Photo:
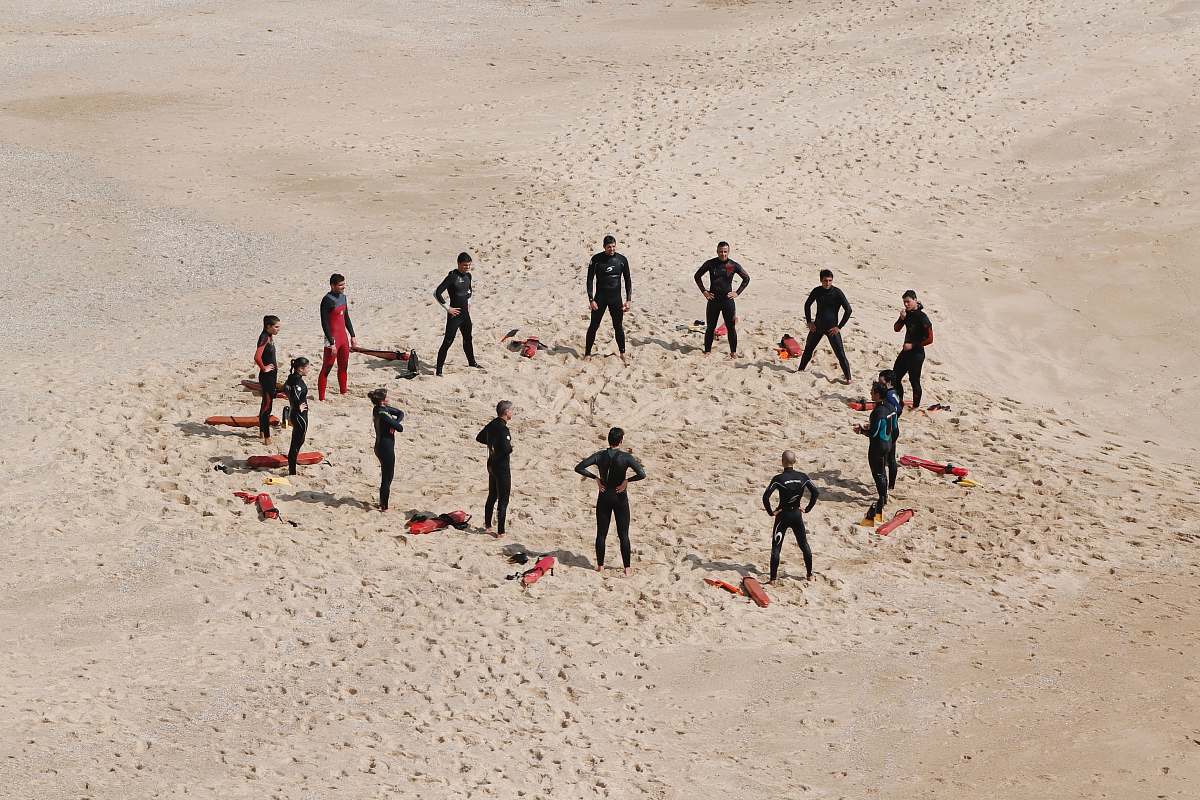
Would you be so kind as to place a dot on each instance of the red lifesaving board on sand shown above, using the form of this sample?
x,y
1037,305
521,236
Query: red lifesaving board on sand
x,y
386,355
238,422
755,591
280,460
256,387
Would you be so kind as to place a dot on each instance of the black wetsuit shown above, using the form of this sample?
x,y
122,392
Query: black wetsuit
x,y
386,421
264,356
297,395
829,302
790,484
918,331
499,444
720,284
604,277
895,399
458,284
612,465
880,429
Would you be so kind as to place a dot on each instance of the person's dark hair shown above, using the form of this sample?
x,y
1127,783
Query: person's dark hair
x,y
615,436
878,389
722,244
909,294
269,320
826,273
464,258
336,277
502,406
377,396
609,240
887,376
297,363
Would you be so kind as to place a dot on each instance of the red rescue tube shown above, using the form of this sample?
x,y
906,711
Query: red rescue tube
x,y
532,576
901,517
933,466
529,347
729,587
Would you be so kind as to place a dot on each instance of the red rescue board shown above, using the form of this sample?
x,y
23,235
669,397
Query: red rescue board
x,y
544,564
280,460
755,592
256,387
238,422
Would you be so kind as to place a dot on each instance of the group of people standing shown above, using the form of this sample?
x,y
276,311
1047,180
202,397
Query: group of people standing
x,y
609,273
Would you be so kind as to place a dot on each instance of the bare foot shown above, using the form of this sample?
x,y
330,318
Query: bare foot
x,y
497,535
624,360
733,355
627,572
599,568
382,510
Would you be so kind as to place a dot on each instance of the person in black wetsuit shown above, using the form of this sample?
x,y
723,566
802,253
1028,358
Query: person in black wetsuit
x,y
268,374
612,464
894,398
879,430
918,334
605,273
830,301
790,484
458,313
386,421
297,396
499,444
721,295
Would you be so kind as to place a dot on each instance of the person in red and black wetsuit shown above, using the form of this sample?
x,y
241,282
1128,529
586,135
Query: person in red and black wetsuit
x,y
918,334
721,295
339,334
268,373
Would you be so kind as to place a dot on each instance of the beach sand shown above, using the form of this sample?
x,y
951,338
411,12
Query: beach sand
x,y
170,172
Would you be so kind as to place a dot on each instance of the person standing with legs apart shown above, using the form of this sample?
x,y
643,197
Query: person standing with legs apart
x,y
339,334
830,301
297,396
918,334
605,274
613,500
790,484
268,374
386,421
721,295
458,313
499,444
880,429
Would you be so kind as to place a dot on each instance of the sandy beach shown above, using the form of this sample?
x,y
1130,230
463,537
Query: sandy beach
x,y
172,171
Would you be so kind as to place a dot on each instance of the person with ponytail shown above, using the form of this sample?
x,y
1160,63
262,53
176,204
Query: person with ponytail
x,y
918,334
297,395
386,421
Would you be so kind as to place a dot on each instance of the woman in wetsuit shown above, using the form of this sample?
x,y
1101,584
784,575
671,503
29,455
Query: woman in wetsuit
x,y
880,430
386,421
918,334
297,395
264,359
895,398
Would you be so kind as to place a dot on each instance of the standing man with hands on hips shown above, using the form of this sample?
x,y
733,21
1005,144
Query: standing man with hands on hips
x,y
458,313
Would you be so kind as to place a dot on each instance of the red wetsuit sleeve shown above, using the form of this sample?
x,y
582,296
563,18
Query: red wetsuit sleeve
x,y
258,357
